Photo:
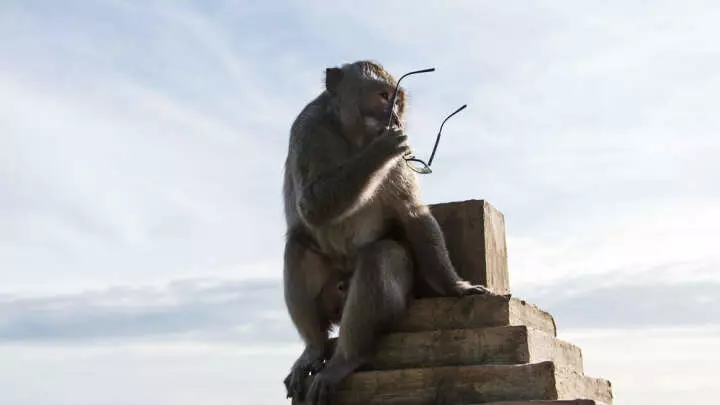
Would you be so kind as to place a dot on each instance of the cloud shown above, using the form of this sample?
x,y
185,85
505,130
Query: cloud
x,y
679,237
658,366
595,303
123,374
119,173
199,310
252,311
652,365
144,143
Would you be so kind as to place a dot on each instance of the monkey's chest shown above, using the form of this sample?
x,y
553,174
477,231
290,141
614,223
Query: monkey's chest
x,y
345,238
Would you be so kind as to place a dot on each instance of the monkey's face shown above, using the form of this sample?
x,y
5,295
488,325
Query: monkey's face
x,y
363,92
374,107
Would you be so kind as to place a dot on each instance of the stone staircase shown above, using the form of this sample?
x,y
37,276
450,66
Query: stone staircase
x,y
476,349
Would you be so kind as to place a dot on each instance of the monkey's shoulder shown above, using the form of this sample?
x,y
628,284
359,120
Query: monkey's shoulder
x,y
317,114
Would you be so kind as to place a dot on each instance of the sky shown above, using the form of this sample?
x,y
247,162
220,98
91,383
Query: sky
x,y
141,155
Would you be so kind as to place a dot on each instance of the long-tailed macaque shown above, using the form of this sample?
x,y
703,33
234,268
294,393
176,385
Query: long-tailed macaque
x,y
353,206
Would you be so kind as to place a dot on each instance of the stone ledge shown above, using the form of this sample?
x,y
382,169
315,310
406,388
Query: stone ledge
x,y
544,402
456,347
475,311
468,384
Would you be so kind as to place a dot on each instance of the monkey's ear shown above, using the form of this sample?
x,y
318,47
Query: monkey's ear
x,y
333,76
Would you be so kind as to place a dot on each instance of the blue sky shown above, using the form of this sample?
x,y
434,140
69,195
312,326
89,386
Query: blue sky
x,y
141,153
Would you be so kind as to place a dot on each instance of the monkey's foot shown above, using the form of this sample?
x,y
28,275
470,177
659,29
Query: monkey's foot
x,y
307,364
472,289
294,382
325,382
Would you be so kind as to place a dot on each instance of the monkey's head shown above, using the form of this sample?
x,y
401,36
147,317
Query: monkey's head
x,y
362,93
332,298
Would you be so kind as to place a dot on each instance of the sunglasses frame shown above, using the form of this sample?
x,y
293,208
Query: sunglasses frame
x,y
415,164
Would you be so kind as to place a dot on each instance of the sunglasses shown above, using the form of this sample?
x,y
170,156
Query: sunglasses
x,y
417,165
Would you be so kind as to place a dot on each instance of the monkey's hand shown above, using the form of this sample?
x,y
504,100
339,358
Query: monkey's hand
x,y
390,145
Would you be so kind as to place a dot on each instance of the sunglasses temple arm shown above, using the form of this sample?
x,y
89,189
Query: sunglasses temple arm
x,y
397,89
437,139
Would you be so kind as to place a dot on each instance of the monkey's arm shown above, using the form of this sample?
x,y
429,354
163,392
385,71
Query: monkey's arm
x,y
331,185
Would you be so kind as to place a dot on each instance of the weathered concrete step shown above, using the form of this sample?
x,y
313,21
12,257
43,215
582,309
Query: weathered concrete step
x,y
469,384
544,402
475,311
491,345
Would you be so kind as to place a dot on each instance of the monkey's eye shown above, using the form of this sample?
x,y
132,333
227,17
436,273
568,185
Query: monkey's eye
x,y
385,95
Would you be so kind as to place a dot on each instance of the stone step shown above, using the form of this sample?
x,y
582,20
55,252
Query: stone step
x,y
475,311
468,384
544,402
456,347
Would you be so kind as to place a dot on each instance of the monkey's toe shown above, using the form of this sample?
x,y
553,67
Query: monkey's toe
x,y
320,390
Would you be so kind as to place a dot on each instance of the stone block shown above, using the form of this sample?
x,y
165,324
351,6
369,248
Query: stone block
x,y
544,402
469,384
474,311
474,232
456,347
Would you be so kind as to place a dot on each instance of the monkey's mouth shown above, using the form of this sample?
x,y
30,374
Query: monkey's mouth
x,y
377,126
372,124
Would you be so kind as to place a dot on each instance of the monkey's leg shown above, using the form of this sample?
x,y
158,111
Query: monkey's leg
x,y
433,261
378,297
305,273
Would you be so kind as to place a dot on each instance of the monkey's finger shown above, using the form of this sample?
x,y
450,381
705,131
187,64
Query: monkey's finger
x,y
393,131
401,141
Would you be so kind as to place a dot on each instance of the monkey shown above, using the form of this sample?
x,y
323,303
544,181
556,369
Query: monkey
x,y
332,297
352,205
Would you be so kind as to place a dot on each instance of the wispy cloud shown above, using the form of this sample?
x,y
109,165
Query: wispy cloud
x,y
147,142
595,303
251,311
199,310
679,237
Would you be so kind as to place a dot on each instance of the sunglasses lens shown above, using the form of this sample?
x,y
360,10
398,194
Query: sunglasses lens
x,y
418,166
